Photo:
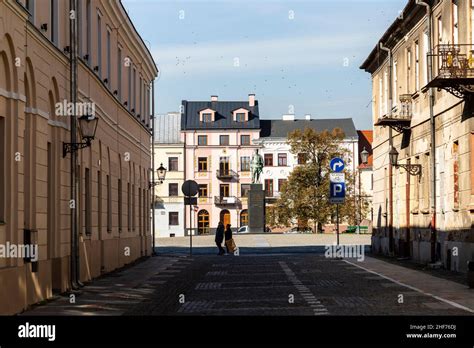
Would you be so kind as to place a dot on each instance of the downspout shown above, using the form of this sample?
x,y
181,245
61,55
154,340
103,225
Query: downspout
x,y
433,133
390,143
153,252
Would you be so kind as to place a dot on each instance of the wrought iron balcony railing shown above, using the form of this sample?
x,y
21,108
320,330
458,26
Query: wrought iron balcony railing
x,y
226,174
399,119
226,200
454,68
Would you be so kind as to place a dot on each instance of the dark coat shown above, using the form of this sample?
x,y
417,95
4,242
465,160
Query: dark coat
x,y
228,234
219,234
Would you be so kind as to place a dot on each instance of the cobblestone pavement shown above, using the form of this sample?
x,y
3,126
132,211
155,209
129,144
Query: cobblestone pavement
x,y
276,279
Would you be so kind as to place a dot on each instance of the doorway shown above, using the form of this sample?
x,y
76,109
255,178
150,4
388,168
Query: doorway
x,y
224,190
224,165
225,217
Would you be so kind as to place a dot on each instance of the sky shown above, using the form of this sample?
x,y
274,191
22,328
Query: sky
x,y
295,55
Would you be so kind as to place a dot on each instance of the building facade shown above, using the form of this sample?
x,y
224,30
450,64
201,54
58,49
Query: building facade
x,y
169,199
219,143
422,108
279,162
114,74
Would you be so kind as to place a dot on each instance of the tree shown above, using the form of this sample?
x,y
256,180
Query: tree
x,y
305,196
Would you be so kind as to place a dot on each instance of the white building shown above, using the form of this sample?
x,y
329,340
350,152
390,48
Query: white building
x,y
169,200
275,150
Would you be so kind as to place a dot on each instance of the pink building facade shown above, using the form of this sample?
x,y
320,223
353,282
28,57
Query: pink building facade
x,y
220,139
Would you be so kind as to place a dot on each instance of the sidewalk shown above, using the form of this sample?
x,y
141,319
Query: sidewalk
x,y
450,292
114,293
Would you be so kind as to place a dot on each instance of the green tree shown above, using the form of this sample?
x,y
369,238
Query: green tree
x,y
305,196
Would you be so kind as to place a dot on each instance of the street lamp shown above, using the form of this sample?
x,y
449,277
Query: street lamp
x,y
161,173
87,129
412,169
364,155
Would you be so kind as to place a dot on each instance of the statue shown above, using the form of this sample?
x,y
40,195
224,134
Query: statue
x,y
256,166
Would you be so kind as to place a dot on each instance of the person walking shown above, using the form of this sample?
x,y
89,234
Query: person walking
x,y
220,237
229,240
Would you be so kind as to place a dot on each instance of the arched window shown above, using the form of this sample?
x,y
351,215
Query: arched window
x,y
244,217
203,222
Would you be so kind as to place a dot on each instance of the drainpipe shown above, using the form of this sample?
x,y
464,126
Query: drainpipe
x,y
433,133
153,252
390,143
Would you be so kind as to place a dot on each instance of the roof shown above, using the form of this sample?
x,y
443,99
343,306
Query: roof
x,y
224,116
365,141
406,20
168,128
281,128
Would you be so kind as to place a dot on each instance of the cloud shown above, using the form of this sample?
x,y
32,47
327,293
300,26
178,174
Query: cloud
x,y
258,55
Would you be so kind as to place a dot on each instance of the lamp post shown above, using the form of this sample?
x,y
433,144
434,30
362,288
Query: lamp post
x,y
364,156
412,169
87,129
161,173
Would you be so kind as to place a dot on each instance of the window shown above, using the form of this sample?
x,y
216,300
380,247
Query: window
x,y
109,65
456,175
119,73
425,56
385,92
203,190
202,140
224,190
134,208
89,32
173,218
140,96
268,158
244,218
203,222
244,190
269,187
245,164
455,22
302,158
408,69
440,37
54,21
134,91
417,66
173,164
282,160
395,83
207,117
281,183
426,183
173,190
120,204
30,6
240,117
129,102
109,204
99,200
3,171
129,206
224,140
380,97
245,140
202,164
88,202
99,44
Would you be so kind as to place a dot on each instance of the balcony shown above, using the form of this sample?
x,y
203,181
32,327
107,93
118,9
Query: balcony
x,y
229,200
455,72
399,119
226,174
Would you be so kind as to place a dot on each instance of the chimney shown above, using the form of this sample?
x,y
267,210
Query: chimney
x,y
251,100
307,117
289,117
213,98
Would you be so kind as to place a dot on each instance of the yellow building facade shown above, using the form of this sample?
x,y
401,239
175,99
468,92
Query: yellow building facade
x,y
115,74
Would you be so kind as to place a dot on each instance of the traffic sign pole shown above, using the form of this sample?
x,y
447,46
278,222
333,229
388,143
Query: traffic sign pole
x,y
337,223
190,232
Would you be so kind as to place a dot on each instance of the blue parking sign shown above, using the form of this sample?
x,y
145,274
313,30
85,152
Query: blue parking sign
x,y
337,192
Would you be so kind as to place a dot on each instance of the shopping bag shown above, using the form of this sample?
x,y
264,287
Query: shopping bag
x,y
231,244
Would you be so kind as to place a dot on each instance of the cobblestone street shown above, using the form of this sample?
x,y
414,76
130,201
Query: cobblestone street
x,y
284,280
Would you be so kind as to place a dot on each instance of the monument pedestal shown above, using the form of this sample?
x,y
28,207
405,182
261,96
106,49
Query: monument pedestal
x,y
256,209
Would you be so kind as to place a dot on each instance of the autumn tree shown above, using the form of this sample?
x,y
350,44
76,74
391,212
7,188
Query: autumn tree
x,y
305,196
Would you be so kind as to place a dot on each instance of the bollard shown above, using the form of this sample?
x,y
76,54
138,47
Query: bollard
x,y
470,274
